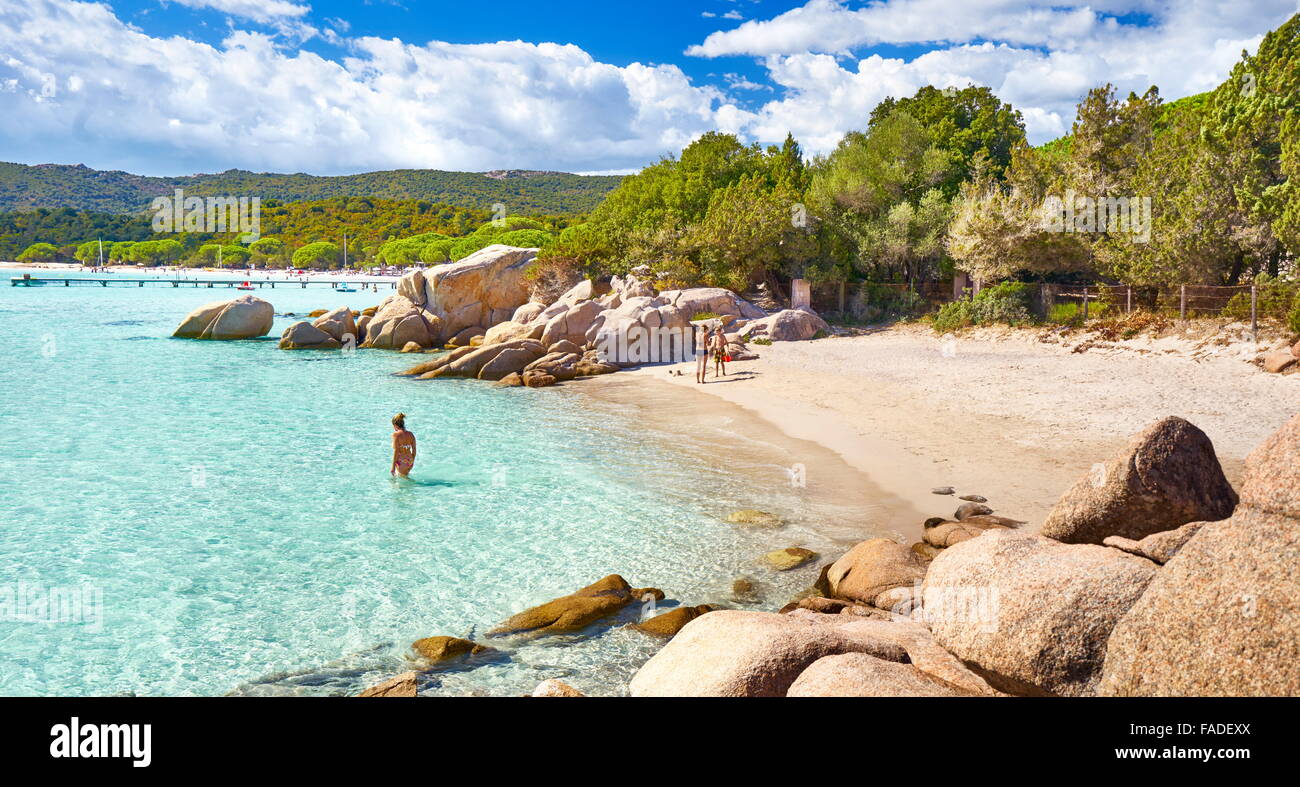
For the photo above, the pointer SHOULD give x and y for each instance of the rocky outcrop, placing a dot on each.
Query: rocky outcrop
(1222, 618)
(1160, 547)
(479, 291)
(1030, 614)
(731, 653)
(305, 336)
(576, 610)
(245, 317)
(873, 567)
(1166, 477)
(404, 685)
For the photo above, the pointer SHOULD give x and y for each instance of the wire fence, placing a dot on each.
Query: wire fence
(1065, 303)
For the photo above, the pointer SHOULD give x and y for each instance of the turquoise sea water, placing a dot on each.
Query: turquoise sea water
(230, 505)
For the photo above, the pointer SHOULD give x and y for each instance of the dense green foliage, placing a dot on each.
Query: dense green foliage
(1007, 303)
(24, 187)
(723, 213)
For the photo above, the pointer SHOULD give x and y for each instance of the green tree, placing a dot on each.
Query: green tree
(319, 255)
(964, 123)
(1254, 117)
(270, 249)
(39, 252)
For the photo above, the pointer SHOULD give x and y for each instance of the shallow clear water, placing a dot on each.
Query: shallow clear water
(231, 506)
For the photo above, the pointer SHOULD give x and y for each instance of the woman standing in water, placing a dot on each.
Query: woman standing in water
(403, 447)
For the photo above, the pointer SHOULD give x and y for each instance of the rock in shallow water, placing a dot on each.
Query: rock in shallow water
(789, 558)
(667, 624)
(442, 648)
(244, 317)
(404, 685)
(751, 516)
(555, 688)
(576, 610)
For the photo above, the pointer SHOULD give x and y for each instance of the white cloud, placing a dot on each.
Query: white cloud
(169, 105)
(1041, 58)
(79, 85)
(256, 10)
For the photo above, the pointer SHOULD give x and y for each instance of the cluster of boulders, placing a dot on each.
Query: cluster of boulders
(479, 310)
(594, 603)
(1149, 577)
(1282, 360)
(586, 332)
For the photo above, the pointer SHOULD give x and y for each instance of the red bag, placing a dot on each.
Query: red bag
(727, 359)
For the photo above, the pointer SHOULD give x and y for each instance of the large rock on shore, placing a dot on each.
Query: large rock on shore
(788, 325)
(871, 568)
(244, 317)
(1029, 614)
(731, 653)
(1223, 616)
(576, 610)
(863, 675)
(480, 291)
(1166, 477)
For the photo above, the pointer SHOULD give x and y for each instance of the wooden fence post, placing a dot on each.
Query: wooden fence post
(1182, 302)
(1128, 307)
(1254, 318)
(1085, 304)
(841, 297)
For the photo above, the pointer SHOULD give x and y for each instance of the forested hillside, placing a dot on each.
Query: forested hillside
(24, 187)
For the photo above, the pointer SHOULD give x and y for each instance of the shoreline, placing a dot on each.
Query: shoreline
(1003, 418)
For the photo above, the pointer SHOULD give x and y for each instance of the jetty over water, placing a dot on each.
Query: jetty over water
(106, 281)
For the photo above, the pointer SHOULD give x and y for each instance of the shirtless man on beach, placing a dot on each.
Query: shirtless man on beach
(403, 447)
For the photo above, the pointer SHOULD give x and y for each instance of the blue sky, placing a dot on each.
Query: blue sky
(336, 86)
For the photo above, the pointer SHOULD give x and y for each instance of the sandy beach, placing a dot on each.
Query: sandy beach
(1006, 415)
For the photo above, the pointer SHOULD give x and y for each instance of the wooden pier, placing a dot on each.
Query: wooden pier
(105, 281)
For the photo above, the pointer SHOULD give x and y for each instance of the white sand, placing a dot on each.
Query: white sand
(1015, 416)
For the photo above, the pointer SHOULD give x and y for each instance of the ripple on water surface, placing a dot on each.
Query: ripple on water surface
(231, 504)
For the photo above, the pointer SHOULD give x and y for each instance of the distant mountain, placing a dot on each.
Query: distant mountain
(522, 192)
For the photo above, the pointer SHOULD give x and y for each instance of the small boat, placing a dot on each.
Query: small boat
(245, 286)
(345, 288)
